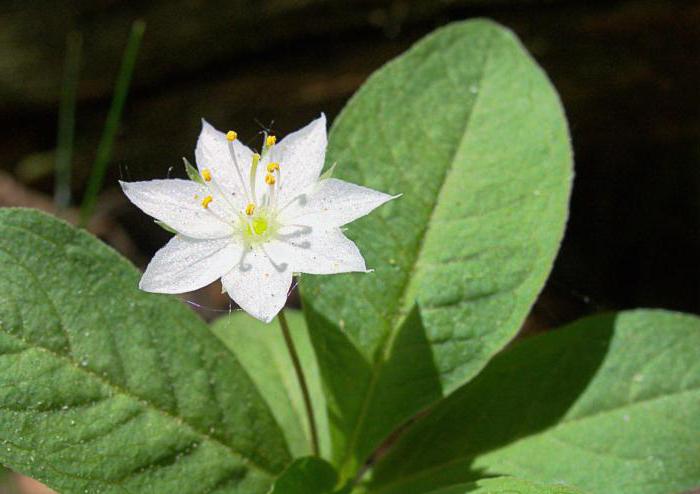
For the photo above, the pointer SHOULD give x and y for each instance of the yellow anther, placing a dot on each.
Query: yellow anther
(270, 141)
(250, 209)
(206, 201)
(231, 135)
(270, 179)
(271, 167)
(206, 175)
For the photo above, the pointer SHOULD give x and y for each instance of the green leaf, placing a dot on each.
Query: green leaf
(165, 226)
(328, 173)
(610, 404)
(192, 172)
(507, 485)
(107, 388)
(469, 129)
(260, 349)
(309, 475)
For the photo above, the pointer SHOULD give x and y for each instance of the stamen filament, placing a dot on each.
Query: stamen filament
(213, 187)
(238, 170)
(273, 180)
(208, 200)
(279, 183)
(270, 180)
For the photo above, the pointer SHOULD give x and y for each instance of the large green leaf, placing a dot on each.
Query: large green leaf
(470, 130)
(308, 475)
(610, 404)
(260, 348)
(106, 388)
(507, 485)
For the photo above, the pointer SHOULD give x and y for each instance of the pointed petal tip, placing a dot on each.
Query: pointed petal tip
(143, 284)
(319, 121)
(146, 285)
(265, 318)
(207, 127)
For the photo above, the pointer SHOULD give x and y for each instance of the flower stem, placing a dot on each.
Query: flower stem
(302, 380)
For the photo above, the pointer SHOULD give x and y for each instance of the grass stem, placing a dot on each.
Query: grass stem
(104, 149)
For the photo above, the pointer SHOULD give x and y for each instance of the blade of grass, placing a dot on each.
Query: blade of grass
(104, 149)
(66, 120)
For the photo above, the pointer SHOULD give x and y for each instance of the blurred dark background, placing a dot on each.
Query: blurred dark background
(628, 73)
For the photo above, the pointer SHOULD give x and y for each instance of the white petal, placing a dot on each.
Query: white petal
(258, 285)
(316, 251)
(178, 203)
(332, 202)
(301, 155)
(212, 152)
(186, 264)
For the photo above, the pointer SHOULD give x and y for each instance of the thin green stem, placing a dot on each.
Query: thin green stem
(66, 120)
(104, 149)
(302, 380)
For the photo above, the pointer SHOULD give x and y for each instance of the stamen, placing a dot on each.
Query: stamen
(213, 187)
(232, 152)
(271, 198)
(250, 209)
(270, 141)
(231, 135)
(271, 167)
(206, 201)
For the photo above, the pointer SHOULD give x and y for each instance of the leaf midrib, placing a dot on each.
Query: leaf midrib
(405, 289)
(123, 391)
(144, 402)
(563, 424)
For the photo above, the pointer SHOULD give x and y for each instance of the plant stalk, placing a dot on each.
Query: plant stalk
(66, 121)
(109, 133)
(302, 380)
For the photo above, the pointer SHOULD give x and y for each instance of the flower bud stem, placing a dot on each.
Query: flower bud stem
(302, 380)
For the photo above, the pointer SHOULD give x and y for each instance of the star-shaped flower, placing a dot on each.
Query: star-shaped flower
(253, 219)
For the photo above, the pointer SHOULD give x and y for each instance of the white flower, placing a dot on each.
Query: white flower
(253, 220)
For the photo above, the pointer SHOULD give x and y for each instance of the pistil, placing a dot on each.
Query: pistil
(253, 175)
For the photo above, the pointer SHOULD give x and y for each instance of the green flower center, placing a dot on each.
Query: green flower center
(259, 228)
